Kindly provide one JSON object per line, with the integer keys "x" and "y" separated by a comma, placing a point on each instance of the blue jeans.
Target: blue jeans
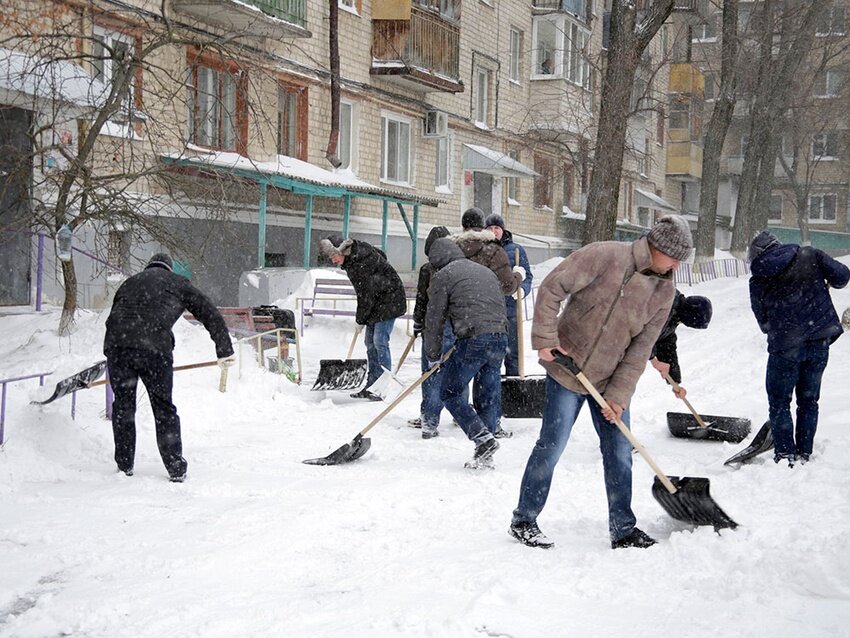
{"x": 798, "y": 370}
{"x": 559, "y": 414}
{"x": 477, "y": 359}
{"x": 432, "y": 405}
{"x": 378, "y": 349}
{"x": 512, "y": 355}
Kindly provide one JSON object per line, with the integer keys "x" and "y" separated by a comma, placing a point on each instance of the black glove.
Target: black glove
{"x": 417, "y": 329}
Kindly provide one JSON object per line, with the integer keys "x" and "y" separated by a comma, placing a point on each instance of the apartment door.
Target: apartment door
{"x": 15, "y": 181}
{"x": 482, "y": 191}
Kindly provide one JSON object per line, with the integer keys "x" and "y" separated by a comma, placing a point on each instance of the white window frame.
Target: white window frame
{"x": 401, "y": 124}
{"x": 823, "y": 140}
{"x": 831, "y": 21}
{"x": 221, "y": 130}
{"x": 828, "y": 84}
{"x": 353, "y": 142}
{"x": 348, "y": 5}
{"x": 817, "y": 200}
{"x": 515, "y": 64}
{"x": 770, "y": 218}
{"x": 698, "y": 33}
{"x": 483, "y": 81}
{"x": 511, "y": 183}
{"x": 444, "y": 159}
{"x": 569, "y": 58}
{"x": 109, "y": 38}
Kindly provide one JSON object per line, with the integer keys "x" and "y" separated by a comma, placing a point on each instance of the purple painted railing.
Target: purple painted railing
{"x": 40, "y": 376}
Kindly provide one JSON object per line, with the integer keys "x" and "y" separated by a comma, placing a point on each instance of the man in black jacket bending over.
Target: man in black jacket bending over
{"x": 139, "y": 344}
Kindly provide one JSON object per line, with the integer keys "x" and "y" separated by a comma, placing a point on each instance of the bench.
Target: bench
{"x": 246, "y": 322}
{"x": 328, "y": 293}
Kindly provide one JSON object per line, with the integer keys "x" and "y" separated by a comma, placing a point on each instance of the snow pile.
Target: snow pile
{"x": 404, "y": 542}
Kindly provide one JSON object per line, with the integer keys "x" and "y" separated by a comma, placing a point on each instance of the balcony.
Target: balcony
{"x": 256, "y": 19}
{"x": 684, "y": 160}
{"x": 422, "y": 53}
{"x": 687, "y": 79}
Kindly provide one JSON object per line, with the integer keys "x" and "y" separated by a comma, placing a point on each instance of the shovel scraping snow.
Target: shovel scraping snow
{"x": 341, "y": 374}
{"x": 75, "y": 382}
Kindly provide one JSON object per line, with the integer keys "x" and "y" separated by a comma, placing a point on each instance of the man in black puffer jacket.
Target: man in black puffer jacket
{"x": 470, "y": 297}
{"x": 139, "y": 344}
{"x": 380, "y": 300}
{"x": 789, "y": 295}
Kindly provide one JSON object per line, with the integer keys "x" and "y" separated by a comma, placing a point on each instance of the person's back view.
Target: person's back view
{"x": 139, "y": 344}
{"x": 789, "y": 295}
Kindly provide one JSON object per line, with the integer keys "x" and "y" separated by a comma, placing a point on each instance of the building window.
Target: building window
{"x": 711, "y": 86}
{"x": 705, "y": 32}
{"x": 482, "y": 97}
{"x": 543, "y": 182}
{"x": 568, "y": 187}
{"x": 560, "y": 49}
{"x": 292, "y": 121}
{"x": 443, "y": 176}
{"x": 825, "y": 145}
{"x": 395, "y": 149}
{"x": 108, "y": 50}
{"x": 822, "y": 208}
{"x": 515, "y": 68}
{"x": 827, "y": 84}
{"x": 354, "y": 6}
{"x": 774, "y": 214}
{"x": 513, "y": 193}
{"x": 215, "y": 100}
{"x": 347, "y": 148}
{"x": 833, "y": 23}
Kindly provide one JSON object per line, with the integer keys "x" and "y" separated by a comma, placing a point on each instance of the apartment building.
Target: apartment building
{"x": 444, "y": 105}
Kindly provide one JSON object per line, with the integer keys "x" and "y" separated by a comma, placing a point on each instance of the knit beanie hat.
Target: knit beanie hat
{"x": 695, "y": 311}
{"x": 330, "y": 250}
{"x": 672, "y": 236}
{"x": 472, "y": 218}
{"x": 162, "y": 260}
{"x": 762, "y": 242}
{"x": 494, "y": 219}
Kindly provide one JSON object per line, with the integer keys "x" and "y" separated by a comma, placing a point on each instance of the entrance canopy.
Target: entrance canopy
{"x": 649, "y": 199}
{"x": 486, "y": 160}
{"x": 311, "y": 181}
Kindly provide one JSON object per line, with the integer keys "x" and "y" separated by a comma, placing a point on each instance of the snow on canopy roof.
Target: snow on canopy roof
{"x": 295, "y": 169}
{"x": 60, "y": 80}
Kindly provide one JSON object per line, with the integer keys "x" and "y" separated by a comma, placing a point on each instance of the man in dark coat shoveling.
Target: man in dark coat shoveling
{"x": 139, "y": 344}
{"x": 380, "y": 300}
{"x": 789, "y": 295}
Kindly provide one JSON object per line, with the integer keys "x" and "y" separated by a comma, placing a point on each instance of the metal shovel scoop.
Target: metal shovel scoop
{"x": 707, "y": 427}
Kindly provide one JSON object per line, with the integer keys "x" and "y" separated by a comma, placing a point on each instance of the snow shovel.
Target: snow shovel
{"x": 341, "y": 374}
{"x": 708, "y": 428}
{"x": 762, "y": 442}
{"x": 386, "y": 384}
{"x": 359, "y": 446}
{"x": 684, "y": 498}
{"x": 186, "y": 366}
{"x": 79, "y": 381}
{"x": 522, "y": 397}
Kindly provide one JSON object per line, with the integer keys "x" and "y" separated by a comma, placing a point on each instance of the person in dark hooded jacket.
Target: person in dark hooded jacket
{"x": 694, "y": 312}
{"x": 789, "y": 295}
{"x": 469, "y": 296}
{"x": 380, "y": 300}
{"x": 139, "y": 344}
{"x": 431, "y": 405}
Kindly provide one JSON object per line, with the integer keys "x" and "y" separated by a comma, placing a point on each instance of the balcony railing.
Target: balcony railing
{"x": 425, "y": 48}
{"x": 289, "y": 10}
{"x": 274, "y": 19}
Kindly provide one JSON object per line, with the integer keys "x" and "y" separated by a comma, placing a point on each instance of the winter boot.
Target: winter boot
{"x": 177, "y": 478}
{"x": 415, "y": 423}
{"x": 790, "y": 457}
{"x": 128, "y": 471}
{"x": 365, "y": 394}
{"x": 430, "y": 433}
{"x": 637, "y": 538}
{"x": 501, "y": 433}
{"x": 529, "y": 534}
{"x": 483, "y": 457}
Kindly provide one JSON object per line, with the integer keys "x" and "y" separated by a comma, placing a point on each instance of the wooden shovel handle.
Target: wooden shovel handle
{"x": 188, "y": 366}
{"x": 357, "y": 330}
{"x": 519, "y": 338}
{"x": 572, "y": 367}
{"x": 675, "y": 385}
{"x": 405, "y": 353}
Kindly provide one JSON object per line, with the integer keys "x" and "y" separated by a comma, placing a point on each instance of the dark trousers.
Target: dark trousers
{"x": 126, "y": 367}
{"x": 512, "y": 355}
{"x": 795, "y": 371}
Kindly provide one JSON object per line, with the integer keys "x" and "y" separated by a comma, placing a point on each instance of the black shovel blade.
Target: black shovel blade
{"x": 340, "y": 374}
{"x": 347, "y": 453}
{"x": 692, "y": 502}
{"x": 79, "y": 381}
{"x": 762, "y": 442}
{"x": 720, "y": 428}
{"x": 523, "y": 397}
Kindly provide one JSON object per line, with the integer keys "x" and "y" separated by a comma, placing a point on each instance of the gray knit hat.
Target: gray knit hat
{"x": 671, "y": 235}
{"x": 329, "y": 250}
{"x": 163, "y": 260}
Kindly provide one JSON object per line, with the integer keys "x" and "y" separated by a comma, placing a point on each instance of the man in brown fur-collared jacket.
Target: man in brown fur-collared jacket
{"x": 481, "y": 246}
{"x": 618, "y": 298}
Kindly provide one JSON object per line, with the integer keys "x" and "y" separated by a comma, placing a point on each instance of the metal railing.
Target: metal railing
{"x": 4, "y": 382}
{"x": 709, "y": 270}
{"x": 426, "y": 41}
{"x": 294, "y": 11}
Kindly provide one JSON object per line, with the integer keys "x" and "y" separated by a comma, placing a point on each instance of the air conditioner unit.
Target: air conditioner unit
{"x": 436, "y": 124}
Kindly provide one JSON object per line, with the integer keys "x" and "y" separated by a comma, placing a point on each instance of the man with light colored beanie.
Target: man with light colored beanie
{"x": 618, "y": 296}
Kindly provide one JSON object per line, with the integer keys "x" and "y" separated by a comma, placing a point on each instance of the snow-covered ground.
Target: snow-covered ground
{"x": 404, "y": 542}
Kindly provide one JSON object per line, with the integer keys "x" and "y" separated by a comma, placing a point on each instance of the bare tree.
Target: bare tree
{"x": 631, "y": 32}
{"x": 715, "y": 135}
